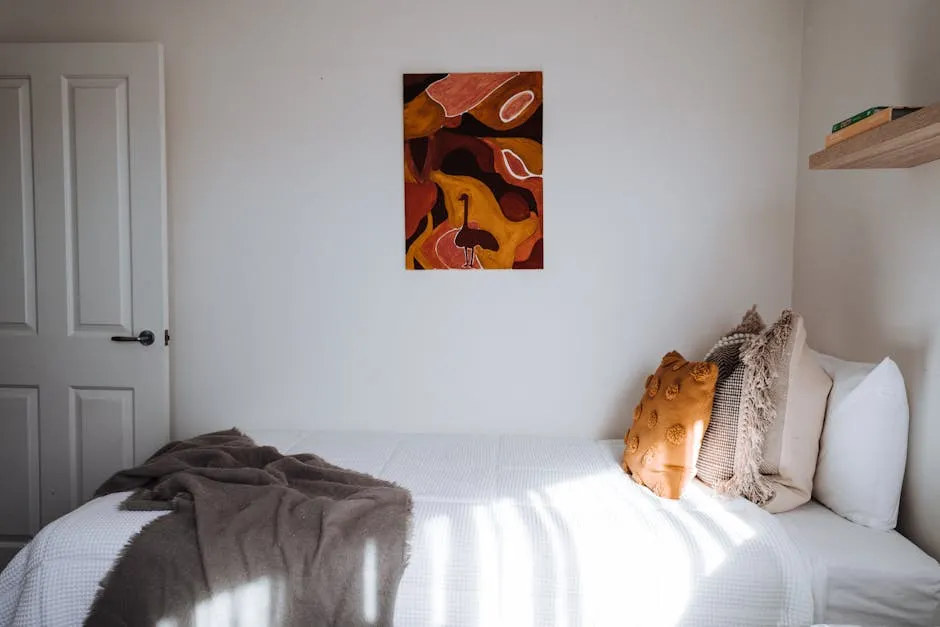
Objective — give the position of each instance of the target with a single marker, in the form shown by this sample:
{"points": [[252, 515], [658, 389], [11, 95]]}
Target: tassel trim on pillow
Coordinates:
{"points": [[761, 356]]}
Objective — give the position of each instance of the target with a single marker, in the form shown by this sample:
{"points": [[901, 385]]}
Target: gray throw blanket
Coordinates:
{"points": [[272, 539]]}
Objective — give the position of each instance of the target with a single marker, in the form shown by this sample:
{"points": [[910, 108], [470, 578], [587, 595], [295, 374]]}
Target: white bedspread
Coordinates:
{"points": [[508, 531]]}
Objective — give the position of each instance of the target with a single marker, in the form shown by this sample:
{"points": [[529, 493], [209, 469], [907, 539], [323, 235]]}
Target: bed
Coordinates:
{"points": [[508, 531]]}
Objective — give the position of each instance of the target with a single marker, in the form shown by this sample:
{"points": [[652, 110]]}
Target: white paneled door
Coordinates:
{"points": [[82, 266]]}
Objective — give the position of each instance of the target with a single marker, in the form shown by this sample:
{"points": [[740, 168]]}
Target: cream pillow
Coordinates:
{"points": [[791, 444]]}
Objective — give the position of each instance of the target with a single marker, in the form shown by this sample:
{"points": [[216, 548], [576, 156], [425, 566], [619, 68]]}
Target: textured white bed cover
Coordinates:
{"points": [[507, 531]]}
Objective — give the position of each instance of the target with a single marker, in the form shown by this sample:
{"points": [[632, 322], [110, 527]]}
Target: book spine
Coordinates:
{"points": [[873, 121], [858, 117]]}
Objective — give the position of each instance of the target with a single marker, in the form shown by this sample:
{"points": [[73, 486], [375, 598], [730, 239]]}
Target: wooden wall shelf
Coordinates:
{"points": [[904, 143]]}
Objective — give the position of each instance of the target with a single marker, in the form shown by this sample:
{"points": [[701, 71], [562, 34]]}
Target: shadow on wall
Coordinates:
{"points": [[917, 354], [871, 314], [922, 83]]}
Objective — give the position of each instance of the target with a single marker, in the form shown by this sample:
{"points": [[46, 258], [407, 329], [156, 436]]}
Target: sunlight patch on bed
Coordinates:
{"points": [[505, 566], [622, 569], [559, 558], [516, 565], [734, 527], [258, 603], [437, 532], [488, 572], [370, 578], [710, 551]]}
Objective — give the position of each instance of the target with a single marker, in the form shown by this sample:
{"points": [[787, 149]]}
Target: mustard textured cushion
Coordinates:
{"points": [[661, 447]]}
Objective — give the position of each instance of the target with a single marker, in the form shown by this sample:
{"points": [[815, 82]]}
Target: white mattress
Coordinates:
{"points": [[864, 576], [507, 531]]}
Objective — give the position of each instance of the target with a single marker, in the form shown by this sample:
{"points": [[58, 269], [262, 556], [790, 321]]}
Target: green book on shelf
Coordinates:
{"points": [[858, 117]]}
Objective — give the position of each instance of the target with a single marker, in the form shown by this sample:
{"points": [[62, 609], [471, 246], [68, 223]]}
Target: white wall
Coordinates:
{"points": [[867, 245], [670, 159]]}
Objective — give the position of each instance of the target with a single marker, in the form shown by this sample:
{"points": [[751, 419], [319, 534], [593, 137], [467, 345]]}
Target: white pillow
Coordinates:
{"points": [[863, 448]]}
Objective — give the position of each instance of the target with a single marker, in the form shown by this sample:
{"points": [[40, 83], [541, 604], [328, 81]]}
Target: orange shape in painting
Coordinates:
{"points": [[460, 92], [422, 117], [413, 252], [411, 176], [419, 200], [524, 249], [523, 156]]}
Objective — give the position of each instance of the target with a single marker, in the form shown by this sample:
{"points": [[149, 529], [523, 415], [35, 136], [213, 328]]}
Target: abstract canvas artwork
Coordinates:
{"points": [[473, 171]]}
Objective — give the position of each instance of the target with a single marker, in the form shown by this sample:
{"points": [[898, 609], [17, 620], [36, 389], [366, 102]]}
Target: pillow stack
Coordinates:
{"points": [[756, 419], [767, 414]]}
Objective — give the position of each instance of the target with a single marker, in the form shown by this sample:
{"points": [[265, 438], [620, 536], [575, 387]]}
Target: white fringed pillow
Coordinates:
{"points": [[863, 449]]}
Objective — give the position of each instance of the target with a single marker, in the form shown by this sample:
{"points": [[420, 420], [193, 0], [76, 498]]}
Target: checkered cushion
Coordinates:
{"points": [[727, 353], [716, 457]]}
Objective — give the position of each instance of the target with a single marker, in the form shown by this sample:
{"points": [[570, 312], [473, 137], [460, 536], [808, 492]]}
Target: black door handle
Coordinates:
{"points": [[146, 338]]}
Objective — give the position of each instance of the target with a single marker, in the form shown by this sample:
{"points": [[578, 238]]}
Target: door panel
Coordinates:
{"points": [[104, 426], [17, 225], [97, 205], [19, 460], [88, 119]]}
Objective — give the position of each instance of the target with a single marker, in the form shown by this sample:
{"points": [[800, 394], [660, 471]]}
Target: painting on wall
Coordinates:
{"points": [[473, 171]]}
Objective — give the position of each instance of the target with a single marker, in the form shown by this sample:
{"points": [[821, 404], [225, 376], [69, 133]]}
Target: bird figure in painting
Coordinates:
{"points": [[469, 238]]}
